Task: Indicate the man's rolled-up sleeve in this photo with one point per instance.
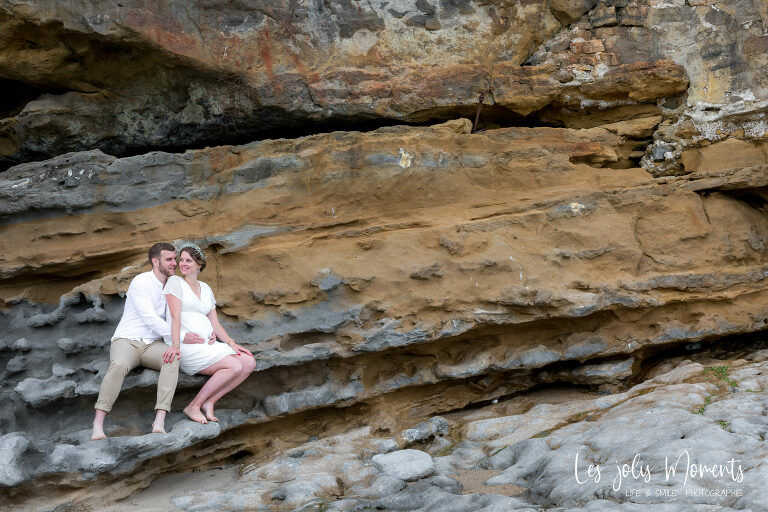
(142, 304)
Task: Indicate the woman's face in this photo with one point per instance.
(187, 265)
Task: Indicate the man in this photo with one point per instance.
(138, 340)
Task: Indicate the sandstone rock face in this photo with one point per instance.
(477, 264)
(612, 204)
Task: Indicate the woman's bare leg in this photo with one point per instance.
(247, 363)
(221, 372)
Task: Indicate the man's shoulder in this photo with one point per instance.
(144, 279)
(144, 276)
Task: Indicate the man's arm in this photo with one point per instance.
(141, 302)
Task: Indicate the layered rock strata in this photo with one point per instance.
(379, 278)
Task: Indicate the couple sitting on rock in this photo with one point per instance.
(144, 337)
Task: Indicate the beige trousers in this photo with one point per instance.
(124, 356)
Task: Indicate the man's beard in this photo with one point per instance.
(167, 272)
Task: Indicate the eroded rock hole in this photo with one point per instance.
(721, 348)
(756, 198)
(16, 94)
(240, 456)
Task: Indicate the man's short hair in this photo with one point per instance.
(154, 251)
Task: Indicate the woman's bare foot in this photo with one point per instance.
(207, 408)
(194, 414)
(158, 429)
(95, 436)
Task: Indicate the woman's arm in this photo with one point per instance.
(221, 333)
(174, 305)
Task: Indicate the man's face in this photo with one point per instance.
(167, 263)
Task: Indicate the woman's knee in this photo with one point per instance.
(248, 362)
(233, 363)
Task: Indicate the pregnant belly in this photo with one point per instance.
(197, 323)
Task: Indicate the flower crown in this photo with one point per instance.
(195, 248)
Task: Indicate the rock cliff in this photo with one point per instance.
(409, 208)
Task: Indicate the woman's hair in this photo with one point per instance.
(196, 254)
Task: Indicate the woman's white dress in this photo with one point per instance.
(194, 318)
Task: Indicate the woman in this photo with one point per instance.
(193, 309)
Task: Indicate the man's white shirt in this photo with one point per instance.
(144, 313)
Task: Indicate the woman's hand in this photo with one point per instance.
(240, 349)
(171, 354)
(221, 334)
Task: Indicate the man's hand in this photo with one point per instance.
(171, 354)
(212, 338)
(193, 339)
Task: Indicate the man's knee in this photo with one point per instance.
(172, 366)
(119, 367)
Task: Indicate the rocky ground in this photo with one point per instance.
(690, 436)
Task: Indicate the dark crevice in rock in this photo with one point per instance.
(269, 124)
(646, 360)
(491, 117)
(756, 198)
(239, 456)
(481, 404)
(278, 124)
(724, 348)
(16, 94)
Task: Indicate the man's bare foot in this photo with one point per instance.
(95, 436)
(98, 425)
(207, 408)
(158, 426)
(194, 414)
